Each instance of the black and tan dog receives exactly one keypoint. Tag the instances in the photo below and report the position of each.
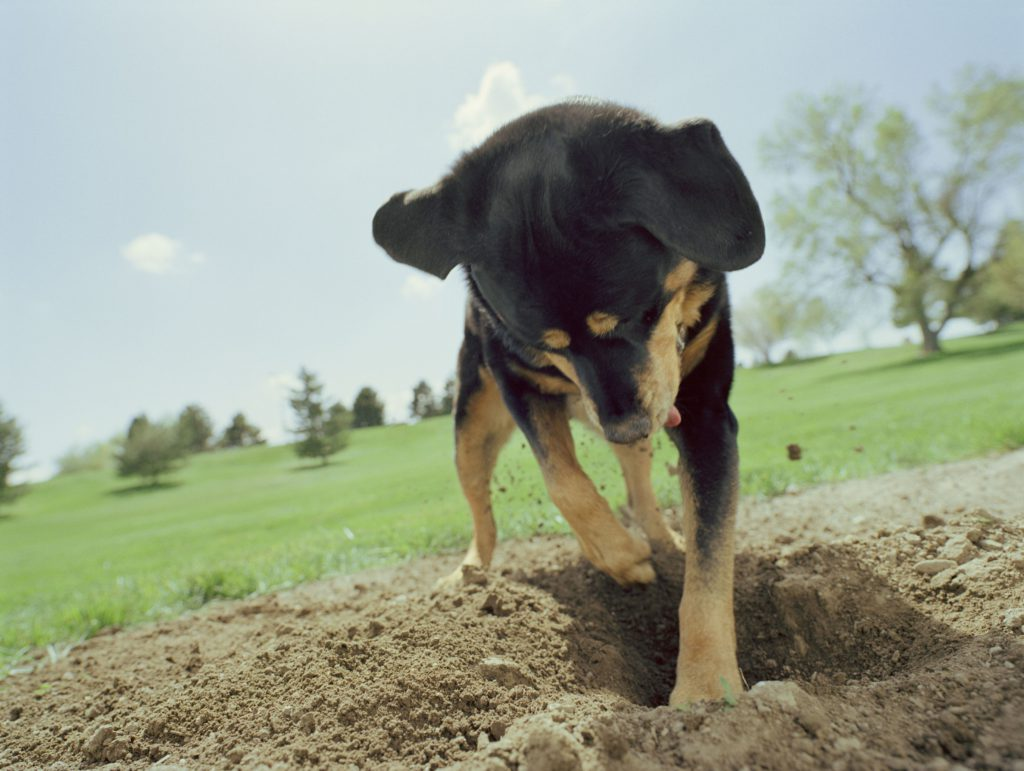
(594, 242)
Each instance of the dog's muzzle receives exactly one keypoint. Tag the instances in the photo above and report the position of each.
(628, 430)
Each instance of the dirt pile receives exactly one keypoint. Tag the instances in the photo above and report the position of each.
(879, 623)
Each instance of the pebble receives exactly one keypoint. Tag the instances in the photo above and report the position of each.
(932, 520)
(931, 567)
(943, 579)
(503, 671)
(958, 549)
(1013, 618)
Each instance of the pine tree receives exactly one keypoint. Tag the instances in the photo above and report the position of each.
(321, 431)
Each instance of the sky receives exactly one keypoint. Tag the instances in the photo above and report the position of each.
(186, 188)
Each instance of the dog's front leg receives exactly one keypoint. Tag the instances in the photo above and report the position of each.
(604, 541)
(709, 477)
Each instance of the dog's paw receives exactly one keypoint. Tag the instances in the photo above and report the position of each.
(628, 564)
(464, 575)
(707, 684)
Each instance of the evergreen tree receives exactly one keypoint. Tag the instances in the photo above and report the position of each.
(368, 409)
(195, 429)
(322, 431)
(240, 433)
(149, 450)
(12, 444)
(422, 405)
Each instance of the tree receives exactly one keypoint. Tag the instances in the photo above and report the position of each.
(321, 431)
(240, 433)
(422, 405)
(12, 444)
(368, 409)
(776, 313)
(1000, 287)
(149, 450)
(873, 208)
(93, 457)
(448, 399)
(195, 429)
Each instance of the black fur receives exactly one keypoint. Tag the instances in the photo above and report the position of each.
(586, 207)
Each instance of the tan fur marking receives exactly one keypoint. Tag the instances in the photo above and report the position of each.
(603, 539)
(680, 276)
(548, 384)
(602, 323)
(706, 667)
(555, 338)
(479, 438)
(695, 349)
(659, 382)
(635, 460)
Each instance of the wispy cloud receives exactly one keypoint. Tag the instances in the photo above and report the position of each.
(159, 254)
(420, 287)
(501, 97)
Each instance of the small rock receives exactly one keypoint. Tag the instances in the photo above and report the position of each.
(974, 535)
(498, 728)
(932, 520)
(958, 549)
(943, 579)
(308, 722)
(931, 567)
(1014, 618)
(503, 671)
(972, 569)
(846, 744)
(14, 714)
(493, 605)
(482, 741)
(790, 698)
(236, 755)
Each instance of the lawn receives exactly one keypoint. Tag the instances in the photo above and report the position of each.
(89, 550)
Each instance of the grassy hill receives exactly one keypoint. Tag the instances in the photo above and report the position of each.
(89, 550)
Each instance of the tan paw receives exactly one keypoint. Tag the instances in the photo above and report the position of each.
(707, 683)
(628, 561)
(464, 575)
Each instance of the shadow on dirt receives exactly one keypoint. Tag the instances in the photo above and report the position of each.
(825, 614)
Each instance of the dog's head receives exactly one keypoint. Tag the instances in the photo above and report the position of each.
(581, 227)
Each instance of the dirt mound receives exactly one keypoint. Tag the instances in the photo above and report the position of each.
(879, 624)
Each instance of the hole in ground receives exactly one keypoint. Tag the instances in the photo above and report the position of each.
(827, 612)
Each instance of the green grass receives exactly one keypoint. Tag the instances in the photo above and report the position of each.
(86, 551)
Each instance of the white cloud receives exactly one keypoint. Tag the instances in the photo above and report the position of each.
(501, 97)
(159, 254)
(420, 287)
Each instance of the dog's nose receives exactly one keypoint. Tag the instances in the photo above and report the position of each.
(628, 430)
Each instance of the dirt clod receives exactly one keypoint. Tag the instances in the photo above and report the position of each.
(863, 649)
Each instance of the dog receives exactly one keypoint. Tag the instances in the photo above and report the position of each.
(595, 243)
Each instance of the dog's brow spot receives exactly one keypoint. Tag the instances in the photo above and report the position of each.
(415, 195)
(555, 338)
(681, 276)
(602, 323)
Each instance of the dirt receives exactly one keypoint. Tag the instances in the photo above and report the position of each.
(879, 623)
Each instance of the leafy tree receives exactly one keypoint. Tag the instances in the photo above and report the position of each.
(321, 431)
(776, 313)
(240, 433)
(12, 444)
(1000, 287)
(448, 398)
(422, 405)
(149, 450)
(93, 457)
(368, 409)
(874, 205)
(195, 429)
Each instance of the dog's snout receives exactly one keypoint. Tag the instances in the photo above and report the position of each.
(628, 430)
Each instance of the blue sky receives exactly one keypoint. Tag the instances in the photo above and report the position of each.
(186, 188)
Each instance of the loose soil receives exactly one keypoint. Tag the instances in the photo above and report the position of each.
(879, 624)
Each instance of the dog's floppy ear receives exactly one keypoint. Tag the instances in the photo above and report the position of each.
(420, 228)
(694, 198)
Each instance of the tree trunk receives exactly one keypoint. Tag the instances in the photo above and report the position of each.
(929, 338)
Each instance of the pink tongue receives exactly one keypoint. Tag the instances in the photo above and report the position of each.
(674, 418)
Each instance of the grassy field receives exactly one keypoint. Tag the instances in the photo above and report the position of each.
(86, 551)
